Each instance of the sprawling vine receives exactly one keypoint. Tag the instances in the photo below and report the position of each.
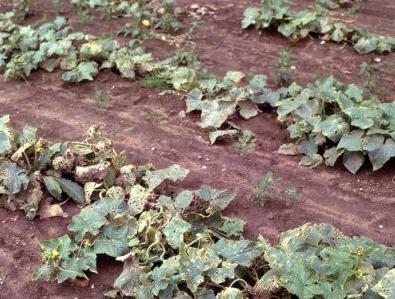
(296, 25)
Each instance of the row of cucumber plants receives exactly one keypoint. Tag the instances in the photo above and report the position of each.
(173, 244)
(318, 21)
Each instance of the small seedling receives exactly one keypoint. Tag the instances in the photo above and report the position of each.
(272, 186)
(284, 69)
(245, 142)
(102, 99)
(370, 72)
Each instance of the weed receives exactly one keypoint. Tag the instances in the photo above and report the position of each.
(370, 72)
(102, 99)
(272, 186)
(284, 69)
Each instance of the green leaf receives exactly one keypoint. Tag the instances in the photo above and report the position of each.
(5, 144)
(353, 161)
(53, 187)
(365, 45)
(113, 241)
(251, 14)
(165, 275)
(194, 100)
(61, 247)
(381, 155)
(73, 190)
(351, 142)
(92, 218)
(84, 71)
(175, 230)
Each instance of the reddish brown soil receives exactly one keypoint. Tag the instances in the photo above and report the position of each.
(358, 205)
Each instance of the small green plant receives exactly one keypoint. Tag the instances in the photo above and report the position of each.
(284, 70)
(245, 142)
(21, 9)
(102, 99)
(370, 72)
(272, 186)
(156, 79)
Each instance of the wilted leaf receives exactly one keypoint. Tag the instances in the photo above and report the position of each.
(172, 173)
(213, 136)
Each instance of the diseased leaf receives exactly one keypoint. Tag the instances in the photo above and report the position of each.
(214, 135)
(157, 177)
(138, 196)
(175, 230)
(218, 199)
(233, 227)
(183, 200)
(215, 113)
(12, 177)
(386, 286)
(241, 252)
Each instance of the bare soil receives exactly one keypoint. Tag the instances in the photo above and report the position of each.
(151, 129)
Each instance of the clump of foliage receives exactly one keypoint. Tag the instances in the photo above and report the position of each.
(296, 25)
(284, 69)
(145, 15)
(54, 45)
(218, 99)
(272, 186)
(331, 120)
(318, 261)
(352, 6)
(21, 9)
